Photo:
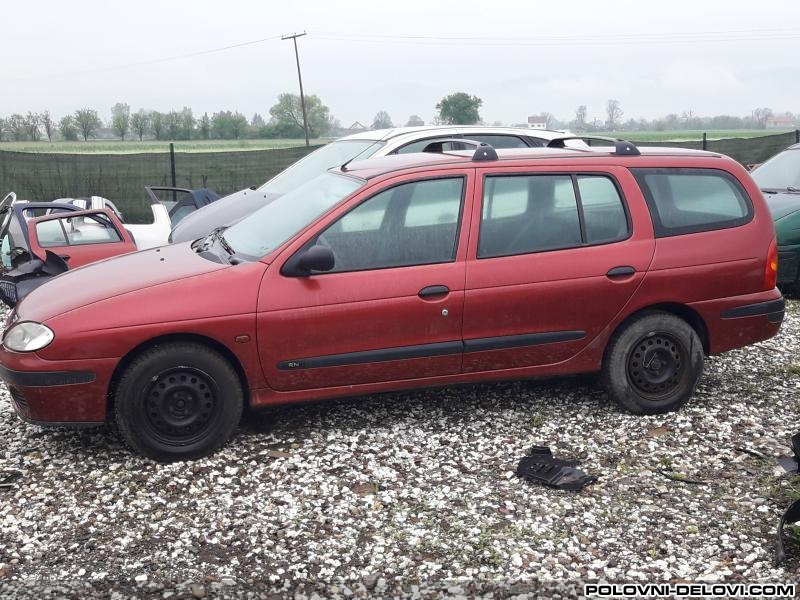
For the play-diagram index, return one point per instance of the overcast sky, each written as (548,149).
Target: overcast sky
(524,57)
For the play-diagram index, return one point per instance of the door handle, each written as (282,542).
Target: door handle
(623,271)
(433,290)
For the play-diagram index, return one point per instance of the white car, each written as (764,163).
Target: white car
(359,146)
(146,236)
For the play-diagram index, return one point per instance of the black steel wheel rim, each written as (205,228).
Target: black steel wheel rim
(656,365)
(181,405)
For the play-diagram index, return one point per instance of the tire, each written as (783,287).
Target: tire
(179,401)
(674,355)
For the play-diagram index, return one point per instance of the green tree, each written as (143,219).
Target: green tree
(227,125)
(157,124)
(16,127)
(459,109)
(287,116)
(614,114)
(382,120)
(121,119)
(187,123)
(579,124)
(172,123)
(68,129)
(3,126)
(204,126)
(32,126)
(49,125)
(140,123)
(87,122)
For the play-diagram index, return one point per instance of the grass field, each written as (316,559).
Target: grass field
(135,147)
(689,135)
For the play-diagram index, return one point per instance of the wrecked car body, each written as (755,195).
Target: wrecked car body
(39,240)
(152,227)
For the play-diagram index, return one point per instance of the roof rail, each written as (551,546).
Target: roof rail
(621,147)
(483,151)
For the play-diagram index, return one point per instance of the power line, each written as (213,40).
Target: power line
(540,40)
(644,39)
(143,63)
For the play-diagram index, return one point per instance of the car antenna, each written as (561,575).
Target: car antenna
(343,168)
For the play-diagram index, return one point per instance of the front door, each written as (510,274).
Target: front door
(392,306)
(554,256)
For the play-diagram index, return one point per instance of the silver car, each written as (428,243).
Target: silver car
(380,142)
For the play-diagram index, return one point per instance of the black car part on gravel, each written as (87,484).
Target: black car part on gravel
(792,514)
(540,466)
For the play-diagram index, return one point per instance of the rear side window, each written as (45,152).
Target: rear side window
(523,214)
(683,201)
(497,141)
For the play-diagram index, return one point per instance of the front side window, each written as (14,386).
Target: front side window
(522,214)
(76,231)
(683,201)
(264,230)
(409,224)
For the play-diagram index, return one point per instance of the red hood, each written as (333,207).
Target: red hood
(113,277)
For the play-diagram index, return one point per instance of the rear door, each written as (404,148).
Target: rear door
(555,254)
(80,237)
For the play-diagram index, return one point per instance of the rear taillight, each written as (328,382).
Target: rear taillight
(771,268)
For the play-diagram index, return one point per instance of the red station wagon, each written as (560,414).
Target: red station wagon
(405,272)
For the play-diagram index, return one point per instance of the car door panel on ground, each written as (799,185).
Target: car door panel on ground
(554,256)
(80,237)
(392,307)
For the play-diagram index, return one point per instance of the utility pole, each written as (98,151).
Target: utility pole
(294,37)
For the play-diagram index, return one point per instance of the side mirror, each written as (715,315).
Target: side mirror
(316,258)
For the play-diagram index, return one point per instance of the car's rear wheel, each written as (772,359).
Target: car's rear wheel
(178,401)
(652,365)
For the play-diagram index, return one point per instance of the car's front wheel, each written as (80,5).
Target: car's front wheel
(178,401)
(652,365)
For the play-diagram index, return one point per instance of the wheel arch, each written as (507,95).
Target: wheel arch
(682,311)
(215,345)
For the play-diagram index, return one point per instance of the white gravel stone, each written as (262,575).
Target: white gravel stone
(406,495)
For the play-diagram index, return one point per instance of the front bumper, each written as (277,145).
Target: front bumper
(66,392)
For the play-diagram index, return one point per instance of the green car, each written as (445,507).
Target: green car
(779,180)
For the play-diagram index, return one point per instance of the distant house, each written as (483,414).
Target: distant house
(355,127)
(781,122)
(537,122)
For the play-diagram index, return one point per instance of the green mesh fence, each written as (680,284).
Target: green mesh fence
(745,150)
(121,177)
(38,176)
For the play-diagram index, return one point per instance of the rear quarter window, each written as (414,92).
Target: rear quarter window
(683,201)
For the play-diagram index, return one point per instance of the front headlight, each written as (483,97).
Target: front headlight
(27,337)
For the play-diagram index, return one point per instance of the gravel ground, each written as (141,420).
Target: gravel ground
(413,495)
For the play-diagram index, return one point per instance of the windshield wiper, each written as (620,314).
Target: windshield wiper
(789,189)
(216,237)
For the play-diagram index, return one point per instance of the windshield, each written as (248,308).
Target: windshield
(270,226)
(334,154)
(779,172)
